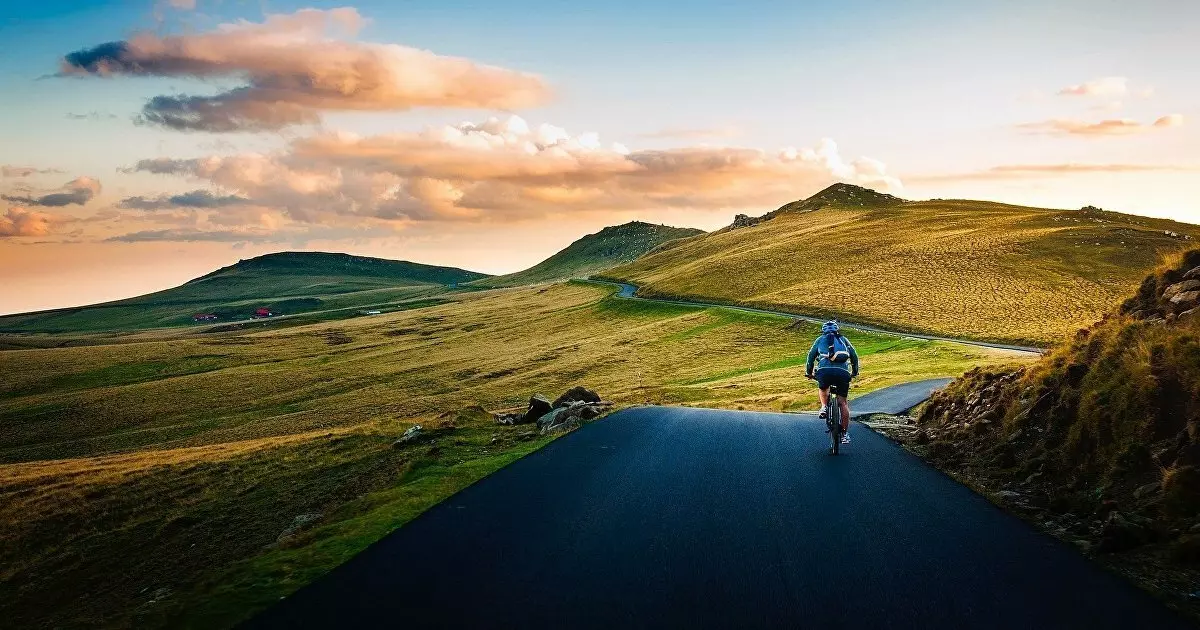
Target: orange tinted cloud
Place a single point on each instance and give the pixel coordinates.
(505, 170)
(1019, 171)
(1110, 127)
(23, 222)
(1105, 86)
(7, 170)
(295, 67)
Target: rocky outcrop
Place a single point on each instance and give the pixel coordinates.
(412, 434)
(577, 394)
(569, 411)
(745, 220)
(1168, 294)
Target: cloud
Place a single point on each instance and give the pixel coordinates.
(93, 116)
(23, 222)
(1109, 127)
(1170, 120)
(191, 199)
(193, 235)
(1021, 171)
(505, 170)
(295, 67)
(24, 171)
(1105, 86)
(78, 191)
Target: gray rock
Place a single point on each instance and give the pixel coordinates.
(1008, 495)
(298, 524)
(1181, 287)
(414, 433)
(570, 424)
(1187, 298)
(576, 394)
(1194, 272)
(554, 417)
(1147, 490)
(539, 406)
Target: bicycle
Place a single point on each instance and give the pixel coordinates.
(833, 421)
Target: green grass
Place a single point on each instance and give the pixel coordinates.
(956, 268)
(594, 253)
(146, 482)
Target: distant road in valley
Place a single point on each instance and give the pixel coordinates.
(629, 291)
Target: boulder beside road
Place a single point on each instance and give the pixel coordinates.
(567, 412)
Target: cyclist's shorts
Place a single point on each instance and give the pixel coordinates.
(836, 378)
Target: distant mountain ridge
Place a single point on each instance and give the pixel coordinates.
(612, 246)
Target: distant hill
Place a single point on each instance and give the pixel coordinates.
(293, 273)
(286, 283)
(593, 253)
(956, 267)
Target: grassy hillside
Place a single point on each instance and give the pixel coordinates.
(959, 268)
(594, 253)
(286, 282)
(188, 480)
(1101, 438)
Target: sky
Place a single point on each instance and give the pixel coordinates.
(144, 143)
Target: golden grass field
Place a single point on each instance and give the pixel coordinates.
(965, 269)
(147, 483)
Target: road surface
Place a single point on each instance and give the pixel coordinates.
(629, 291)
(679, 517)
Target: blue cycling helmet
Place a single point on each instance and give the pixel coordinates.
(830, 326)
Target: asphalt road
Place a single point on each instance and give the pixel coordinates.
(679, 517)
(629, 291)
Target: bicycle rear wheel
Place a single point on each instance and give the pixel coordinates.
(835, 424)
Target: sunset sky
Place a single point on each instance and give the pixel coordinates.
(145, 143)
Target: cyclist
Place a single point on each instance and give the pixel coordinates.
(836, 363)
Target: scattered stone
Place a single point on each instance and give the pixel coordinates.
(576, 394)
(298, 524)
(414, 433)
(539, 406)
(1147, 490)
(550, 419)
(1121, 533)
(1187, 298)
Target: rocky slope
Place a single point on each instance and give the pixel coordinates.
(1099, 442)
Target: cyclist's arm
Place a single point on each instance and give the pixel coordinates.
(812, 357)
(853, 358)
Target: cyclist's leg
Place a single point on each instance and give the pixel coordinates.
(843, 390)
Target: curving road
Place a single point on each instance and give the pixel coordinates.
(629, 291)
(699, 518)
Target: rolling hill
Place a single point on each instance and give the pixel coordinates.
(594, 253)
(284, 282)
(960, 268)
